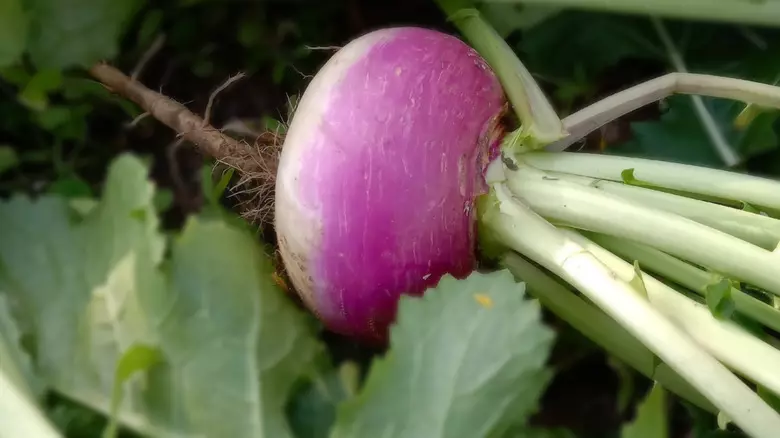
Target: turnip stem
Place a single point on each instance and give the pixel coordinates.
(726, 341)
(540, 122)
(598, 114)
(758, 229)
(528, 233)
(686, 275)
(730, 11)
(591, 209)
(600, 328)
(761, 192)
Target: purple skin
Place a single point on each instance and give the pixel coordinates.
(379, 172)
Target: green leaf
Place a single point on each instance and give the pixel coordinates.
(602, 41)
(93, 286)
(625, 375)
(137, 358)
(8, 158)
(224, 316)
(70, 187)
(77, 33)
(718, 298)
(677, 136)
(313, 410)
(213, 192)
(74, 278)
(651, 419)
(466, 360)
(15, 362)
(35, 94)
(13, 31)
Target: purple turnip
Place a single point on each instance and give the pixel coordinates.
(379, 172)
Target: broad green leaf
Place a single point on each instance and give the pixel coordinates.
(602, 41)
(15, 362)
(74, 278)
(466, 360)
(680, 136)
(93, 285)
(13, 31)
(237, 344)
(77, 33)
(651, 419)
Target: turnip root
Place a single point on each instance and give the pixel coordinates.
(379, 172)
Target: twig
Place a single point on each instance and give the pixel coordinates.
(325, 48)
(173, 114)
(255, 164)
(213, 96)
(157, 44)
(137, 120)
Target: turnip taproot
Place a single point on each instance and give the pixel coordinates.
(379, 172)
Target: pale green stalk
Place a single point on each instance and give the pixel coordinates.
(591, 209)
(687, 275)
(521, 229)
(540, 122)
(598, 114)
(758, 229)
(761, 192)
(762, 12)
(19, 417)
(731, 344)
(600, 328)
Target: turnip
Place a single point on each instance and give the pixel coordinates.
(379, 172)
(398, 153)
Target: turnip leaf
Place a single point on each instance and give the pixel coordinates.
(15, 362)
(651, 420)
(679, 136)
(96, 283)
(237, 344)
(466, 360)
(68, 33)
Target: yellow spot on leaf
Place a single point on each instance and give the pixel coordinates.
(398, 71)
(484, 300)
